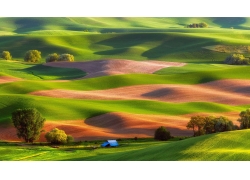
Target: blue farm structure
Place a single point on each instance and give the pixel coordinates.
(110, 143)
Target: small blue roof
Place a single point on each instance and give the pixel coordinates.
(112, 143)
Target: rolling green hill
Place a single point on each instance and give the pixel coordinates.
(92, 38)
(227, 146)
(89, 38)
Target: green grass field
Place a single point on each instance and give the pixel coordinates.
(164, 39)
(226, 146)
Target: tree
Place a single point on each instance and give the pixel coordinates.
(209, 125)
(162, 134)
(203, 25)
(29, 123)
(236, 59)
(57, 136)
(244, 119)
(52, 57)
(32, 56)
(197, 123)
(223, 124)
(66, 57)
(6, 55)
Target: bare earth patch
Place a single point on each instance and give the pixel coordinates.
(7, 79)
(116, 66)
(231, 92)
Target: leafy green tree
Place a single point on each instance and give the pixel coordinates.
(6, 55)
(29, 123)
(52, 57)
(57, 136)
(244, 119)
(32, 56)
(197, 123)
(162, 134)
(66, 57)
(223, 124)
(203, 25)
(236, 59)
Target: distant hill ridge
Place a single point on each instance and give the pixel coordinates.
(26, 24)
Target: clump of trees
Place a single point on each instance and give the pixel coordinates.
(198, 25)
(244, 119)
(57, 136)
(237, 59)
(162, 134)
(63, 57)
(32, 56)
(29, 123)
(6, 55)
(209, 124)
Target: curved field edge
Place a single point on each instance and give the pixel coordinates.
(64, 109)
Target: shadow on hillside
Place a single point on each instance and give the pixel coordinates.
(28, 23)
(159, 45)
(228, 22)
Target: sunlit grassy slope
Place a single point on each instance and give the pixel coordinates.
(226, 146)
(89, 38)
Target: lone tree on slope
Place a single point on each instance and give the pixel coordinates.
(29, 123)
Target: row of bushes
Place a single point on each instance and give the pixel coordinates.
(237, 59)
(198, 25)
(35, 56)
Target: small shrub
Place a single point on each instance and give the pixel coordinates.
(6, 55)
(57, 136)
(70, 139)
(66, 57)
(52, 57)
(237, 59)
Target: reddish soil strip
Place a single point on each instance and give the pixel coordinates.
(231, 92)
(117, 125)
(115, 66)
(6, 79)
